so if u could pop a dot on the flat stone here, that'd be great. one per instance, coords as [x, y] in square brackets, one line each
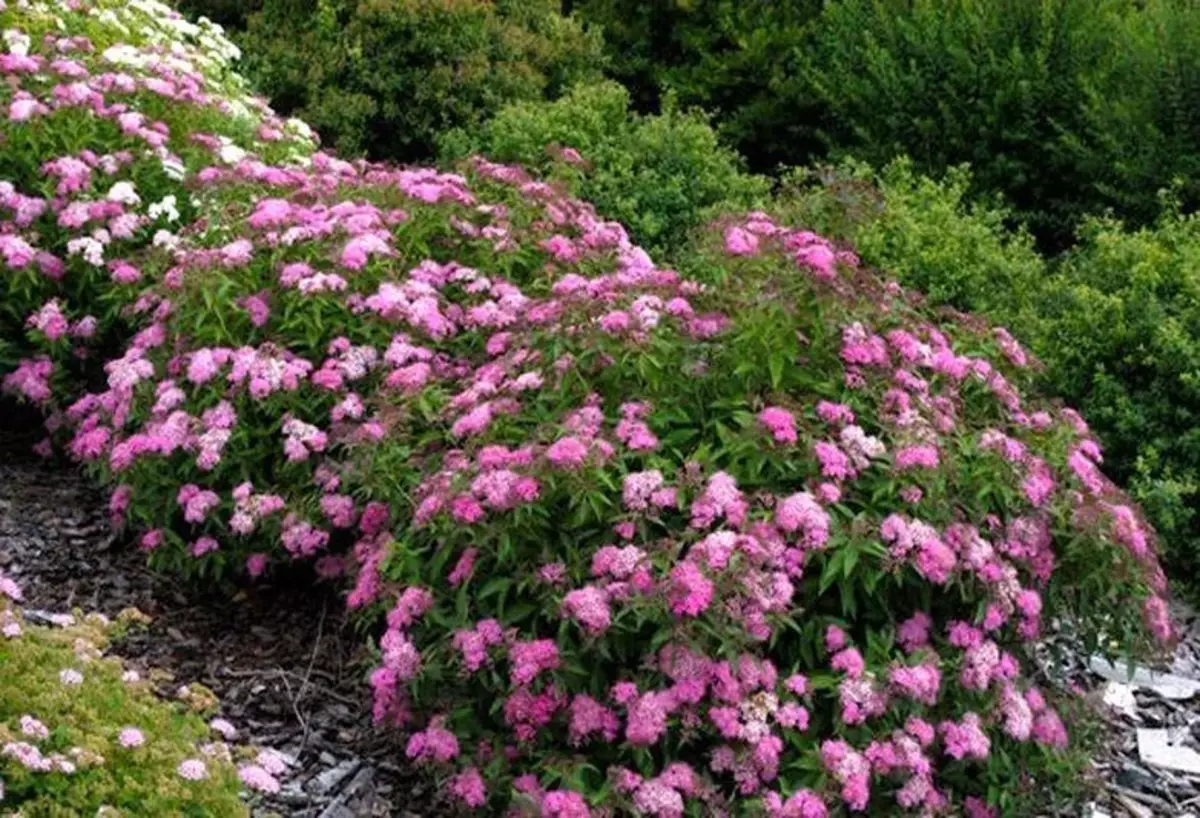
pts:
[1167, 685]
[1158, 748]
[329, 780]
[1119, 696]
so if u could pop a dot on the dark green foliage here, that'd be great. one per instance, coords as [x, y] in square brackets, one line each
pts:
[996, 83]
[232, 14]
[384, 77]
[738, 60]
[1066, 107]
[662, 176]
[1141, 129]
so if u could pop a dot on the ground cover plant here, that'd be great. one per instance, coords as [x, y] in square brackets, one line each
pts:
[772, 536]
[82, 735]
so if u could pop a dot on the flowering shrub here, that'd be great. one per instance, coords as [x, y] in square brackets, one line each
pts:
[80, 735]
[780, 537]
[108, 108]
[770, 537]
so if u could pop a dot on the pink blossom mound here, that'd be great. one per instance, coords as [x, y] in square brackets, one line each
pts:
[72, 225]
[594, 514]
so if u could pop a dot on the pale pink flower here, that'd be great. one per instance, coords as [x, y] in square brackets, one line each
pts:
[192, 769]
[131, 737]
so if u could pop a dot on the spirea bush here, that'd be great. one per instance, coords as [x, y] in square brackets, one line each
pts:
[82, 735]
[770, 537]
[108, 109]
[778, 540]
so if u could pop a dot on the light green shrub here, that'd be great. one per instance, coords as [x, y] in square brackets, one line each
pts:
[930, 234]
[662, 176]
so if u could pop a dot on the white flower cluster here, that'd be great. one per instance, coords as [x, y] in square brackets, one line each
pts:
[16, 42]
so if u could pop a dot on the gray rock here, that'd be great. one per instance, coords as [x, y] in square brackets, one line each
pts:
[1135, 778]
[329, 780]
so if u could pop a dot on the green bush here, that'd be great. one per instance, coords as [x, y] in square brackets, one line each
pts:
[1141, 122]
[384, 77]
[1120, 328]
[662, 176]
[930, 234]
[996, 83]
[739, 61]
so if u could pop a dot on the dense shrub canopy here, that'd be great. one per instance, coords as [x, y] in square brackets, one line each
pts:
[385, 77]
[1066, 108]
[740, 61]
[230, 14]
[769, 536]
[662, 176]
[995, 84]
[1141, 116]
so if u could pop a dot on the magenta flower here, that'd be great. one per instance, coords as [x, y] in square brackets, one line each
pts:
[468, 787]
[740, 242]
[589, 607]
[691, 592]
